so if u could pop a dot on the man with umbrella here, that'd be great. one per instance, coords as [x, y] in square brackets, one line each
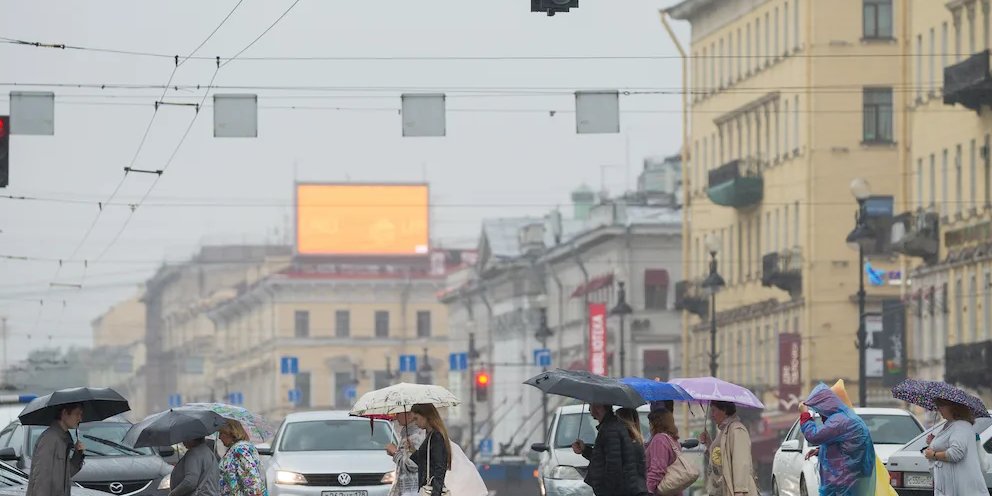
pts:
[612, 466]
[56, 458]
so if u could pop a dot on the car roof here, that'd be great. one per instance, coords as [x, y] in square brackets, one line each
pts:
[584, 408]
[323, 415]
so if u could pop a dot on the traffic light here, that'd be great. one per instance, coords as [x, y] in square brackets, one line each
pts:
[552, 7]
[4, 150]
[482, 381]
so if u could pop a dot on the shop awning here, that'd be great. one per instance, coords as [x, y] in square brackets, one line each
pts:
[593, 285]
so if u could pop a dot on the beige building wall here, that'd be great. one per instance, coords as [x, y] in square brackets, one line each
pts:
[781, 85]
[950, 175]
[122, 324]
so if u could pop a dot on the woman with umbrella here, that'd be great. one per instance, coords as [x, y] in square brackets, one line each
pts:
[241, 469]
[954, 450]
[433, 459]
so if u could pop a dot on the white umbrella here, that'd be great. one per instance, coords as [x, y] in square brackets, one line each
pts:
[400, 397]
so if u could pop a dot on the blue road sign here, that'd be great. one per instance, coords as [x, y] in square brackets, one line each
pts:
[351, 393]
[458, 362]
[542, 357]
[289, 365]
[486, 447]
[408, 363]
[294, 396]
[175, 400]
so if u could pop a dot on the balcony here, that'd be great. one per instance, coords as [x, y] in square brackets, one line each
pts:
[917, 234]
[736, 184]
[690, 296]
[783, 270]
[969, 82]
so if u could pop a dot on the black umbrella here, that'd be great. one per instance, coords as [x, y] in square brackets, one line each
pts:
[173, 426]
[587, 387]
[98, 404]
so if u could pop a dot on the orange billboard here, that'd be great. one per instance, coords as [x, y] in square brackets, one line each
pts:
[362, 219]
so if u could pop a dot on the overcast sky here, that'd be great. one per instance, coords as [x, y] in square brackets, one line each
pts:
[495, 160]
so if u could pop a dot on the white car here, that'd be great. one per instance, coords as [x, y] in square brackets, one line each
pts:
[793, 475]
[909, 471]
[330, 454]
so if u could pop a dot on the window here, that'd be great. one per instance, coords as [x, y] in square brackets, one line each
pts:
[795, 227]
[971, 32]
[785, 126]
[424, 324]
[738, 62]
[722, 60]
[696, 164]
[795, 14]
[777, 246]
[945, 199]
[972, 308]
[758, 54]
[302, 324]
[943, 49]
[919, 67]
[795, 121]
[757, 245]
[785, 28]
[730, 256]
[959, 310]
[957, 36]
[785, 227]
[740, 252]
[933, 182]
[342, 323]
[931, 57]
[768, 234]
[877, 115]
[877, 18]
[985, 23]
[958, 181]
[731, 74]
[776, 53]
[656, 289]
[714, 83]
[973, 173]
[381, 324]
[302, 384]
[919, 183]
[767, 54]
[748, 59]
[778, 132]
[704, 81]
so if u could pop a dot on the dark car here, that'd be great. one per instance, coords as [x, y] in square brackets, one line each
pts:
[110, 466]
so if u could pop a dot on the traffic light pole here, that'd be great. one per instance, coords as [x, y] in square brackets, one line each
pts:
[471, 401]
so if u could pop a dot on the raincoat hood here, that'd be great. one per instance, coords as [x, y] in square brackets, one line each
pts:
[847, 455]
[825, 402]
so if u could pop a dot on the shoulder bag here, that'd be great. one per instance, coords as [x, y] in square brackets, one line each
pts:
[680, 475]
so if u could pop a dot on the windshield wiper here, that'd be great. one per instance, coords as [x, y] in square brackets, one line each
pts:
[112, 444]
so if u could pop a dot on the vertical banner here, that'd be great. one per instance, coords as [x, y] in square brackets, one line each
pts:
[894, 342]
[789, 380]
[597, 338]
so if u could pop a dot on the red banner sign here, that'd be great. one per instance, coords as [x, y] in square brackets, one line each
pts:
[789, 380]
[597, 338]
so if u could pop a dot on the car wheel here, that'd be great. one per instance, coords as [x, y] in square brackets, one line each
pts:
[802, 487]
[775, 491]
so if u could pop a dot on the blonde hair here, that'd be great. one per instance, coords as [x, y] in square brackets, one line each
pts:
[434, 423]
[632, 420]
[234, 429]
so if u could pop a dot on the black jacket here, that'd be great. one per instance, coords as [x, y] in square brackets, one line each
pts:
[439, 462]
[615, 469]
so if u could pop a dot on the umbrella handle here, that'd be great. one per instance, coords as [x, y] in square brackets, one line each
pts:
[578, 433]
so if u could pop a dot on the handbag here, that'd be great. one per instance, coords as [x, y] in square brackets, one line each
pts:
[428, 488]
[680, 475]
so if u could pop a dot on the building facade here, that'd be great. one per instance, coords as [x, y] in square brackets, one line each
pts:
[117, 359]
[791, 101]
[947, 229]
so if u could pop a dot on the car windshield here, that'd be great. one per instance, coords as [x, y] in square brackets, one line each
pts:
[981, 424]
[892, 429]
[10, 477]
[335, 435]
[568, 428]
[100, 439]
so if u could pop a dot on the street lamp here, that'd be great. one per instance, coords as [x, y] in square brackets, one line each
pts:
[860, 238]
[622, 309]
[713, 282]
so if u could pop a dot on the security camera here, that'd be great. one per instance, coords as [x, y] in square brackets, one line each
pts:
[552, 7]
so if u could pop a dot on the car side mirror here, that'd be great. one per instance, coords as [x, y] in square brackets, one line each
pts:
[8, 455]
[264, 450]
[690, 443]
[791, 445]
[539, 447]
[166, 451]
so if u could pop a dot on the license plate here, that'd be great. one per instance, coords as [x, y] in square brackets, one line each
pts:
[344, 493]
[918, 480]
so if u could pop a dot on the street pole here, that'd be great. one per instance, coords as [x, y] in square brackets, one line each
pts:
[862, 331]
[622, 309]
[623, 349]
[3, 338]
[543, 333]
[713, 364]
[713, 283]
[471, 395]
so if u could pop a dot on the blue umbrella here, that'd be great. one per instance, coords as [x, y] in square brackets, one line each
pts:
[656, 390]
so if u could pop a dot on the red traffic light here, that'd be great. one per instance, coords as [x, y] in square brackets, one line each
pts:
[3, 126]
[482, 379]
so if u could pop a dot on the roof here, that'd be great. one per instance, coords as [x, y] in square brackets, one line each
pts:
[502, 236]
[322, 415]
[687, 9]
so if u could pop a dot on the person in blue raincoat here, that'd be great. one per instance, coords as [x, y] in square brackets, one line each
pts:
[846, 452]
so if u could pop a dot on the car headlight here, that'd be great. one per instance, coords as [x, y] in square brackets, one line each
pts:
[564, 472]
[284, 477]
[388, 478]
[165, 483]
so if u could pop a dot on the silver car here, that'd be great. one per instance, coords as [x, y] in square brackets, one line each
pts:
[330, 454]
[909, 470]
[13, 482]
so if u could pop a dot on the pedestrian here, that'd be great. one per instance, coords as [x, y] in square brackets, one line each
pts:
[731, 471]
[54, 461]
[433, 458]
[954, 452]
[632, 420]
[241, 472]
[663, 448]
[612, 462]
[197, 473]
[407, 481]
[845, 450]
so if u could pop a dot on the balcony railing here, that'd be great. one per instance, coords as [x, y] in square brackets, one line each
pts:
[783, 270]
[917, 234]
[690, 296]
[736, 184]
[969, 82]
